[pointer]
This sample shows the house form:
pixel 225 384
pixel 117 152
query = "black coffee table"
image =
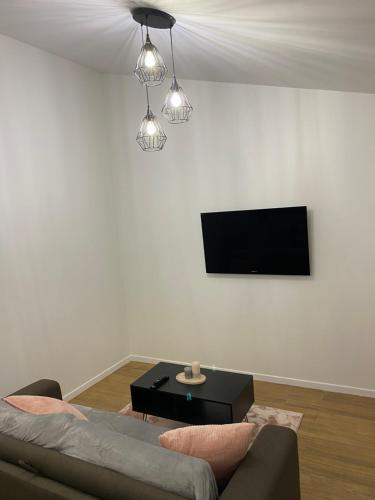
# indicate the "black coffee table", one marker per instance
pixel 224 398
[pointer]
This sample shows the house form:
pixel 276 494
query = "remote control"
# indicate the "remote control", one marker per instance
pixel 159 382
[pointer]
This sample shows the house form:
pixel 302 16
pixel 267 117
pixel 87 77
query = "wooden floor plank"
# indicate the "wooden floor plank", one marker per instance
pixel 336 438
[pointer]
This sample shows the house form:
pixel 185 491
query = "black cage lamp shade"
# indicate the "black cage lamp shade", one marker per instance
pixel 151 136
pixel 177 108
pixel 150 69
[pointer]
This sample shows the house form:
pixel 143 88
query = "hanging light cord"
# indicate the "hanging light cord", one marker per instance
pixel 148 100
pixel 170 35
pixel 143 40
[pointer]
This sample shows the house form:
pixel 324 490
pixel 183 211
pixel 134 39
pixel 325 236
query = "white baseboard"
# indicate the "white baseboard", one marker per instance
pixel 310 384
pixel 72 394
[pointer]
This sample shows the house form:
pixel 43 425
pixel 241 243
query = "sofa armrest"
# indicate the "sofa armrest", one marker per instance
pixel 270 471
pixel 43 387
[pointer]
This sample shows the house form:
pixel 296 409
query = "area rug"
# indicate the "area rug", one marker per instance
pixel 259 415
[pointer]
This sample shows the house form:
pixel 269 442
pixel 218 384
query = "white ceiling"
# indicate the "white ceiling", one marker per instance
pixel 328 44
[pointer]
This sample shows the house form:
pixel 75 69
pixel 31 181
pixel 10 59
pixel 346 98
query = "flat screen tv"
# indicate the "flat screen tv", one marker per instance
pixel 267 241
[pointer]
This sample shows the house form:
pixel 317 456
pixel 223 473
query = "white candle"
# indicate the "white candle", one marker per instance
pixel 196 368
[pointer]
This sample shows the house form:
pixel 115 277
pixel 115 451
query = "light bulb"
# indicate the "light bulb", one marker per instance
pixel 150 127
pixel 150 60
pixel 176 100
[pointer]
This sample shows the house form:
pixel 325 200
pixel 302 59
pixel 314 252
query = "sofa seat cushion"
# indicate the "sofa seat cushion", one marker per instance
pixel 124 425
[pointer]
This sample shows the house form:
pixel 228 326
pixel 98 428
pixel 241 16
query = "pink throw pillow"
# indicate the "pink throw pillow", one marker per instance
pixel 41 405
pixel 222 446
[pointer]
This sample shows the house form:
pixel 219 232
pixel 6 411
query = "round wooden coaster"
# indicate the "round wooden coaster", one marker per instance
pixel 180 377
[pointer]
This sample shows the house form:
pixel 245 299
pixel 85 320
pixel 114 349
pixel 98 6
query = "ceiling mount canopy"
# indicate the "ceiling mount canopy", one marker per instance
pixel 153 18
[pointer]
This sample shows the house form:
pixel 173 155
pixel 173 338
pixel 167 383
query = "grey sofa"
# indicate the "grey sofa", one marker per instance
pixel 270 471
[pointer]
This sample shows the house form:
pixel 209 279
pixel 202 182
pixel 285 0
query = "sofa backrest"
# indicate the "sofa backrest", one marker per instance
pixel 43 387
pixel 36 472
pixel 82 476
pixel 19 484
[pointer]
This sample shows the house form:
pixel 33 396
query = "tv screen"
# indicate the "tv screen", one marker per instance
pixel 267 241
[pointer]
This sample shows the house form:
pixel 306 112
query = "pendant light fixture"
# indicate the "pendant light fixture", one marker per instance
pixel 177 108
pixel 151 136
pixel 150 71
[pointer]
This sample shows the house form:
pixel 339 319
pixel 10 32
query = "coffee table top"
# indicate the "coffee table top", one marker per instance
pixel 220 386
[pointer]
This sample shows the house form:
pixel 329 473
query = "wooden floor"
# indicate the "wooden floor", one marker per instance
pixel 336 438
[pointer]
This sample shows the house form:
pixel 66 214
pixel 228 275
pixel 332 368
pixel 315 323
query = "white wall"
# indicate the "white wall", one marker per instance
pixel 251 147
pixel 60 314
pixel 73 290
